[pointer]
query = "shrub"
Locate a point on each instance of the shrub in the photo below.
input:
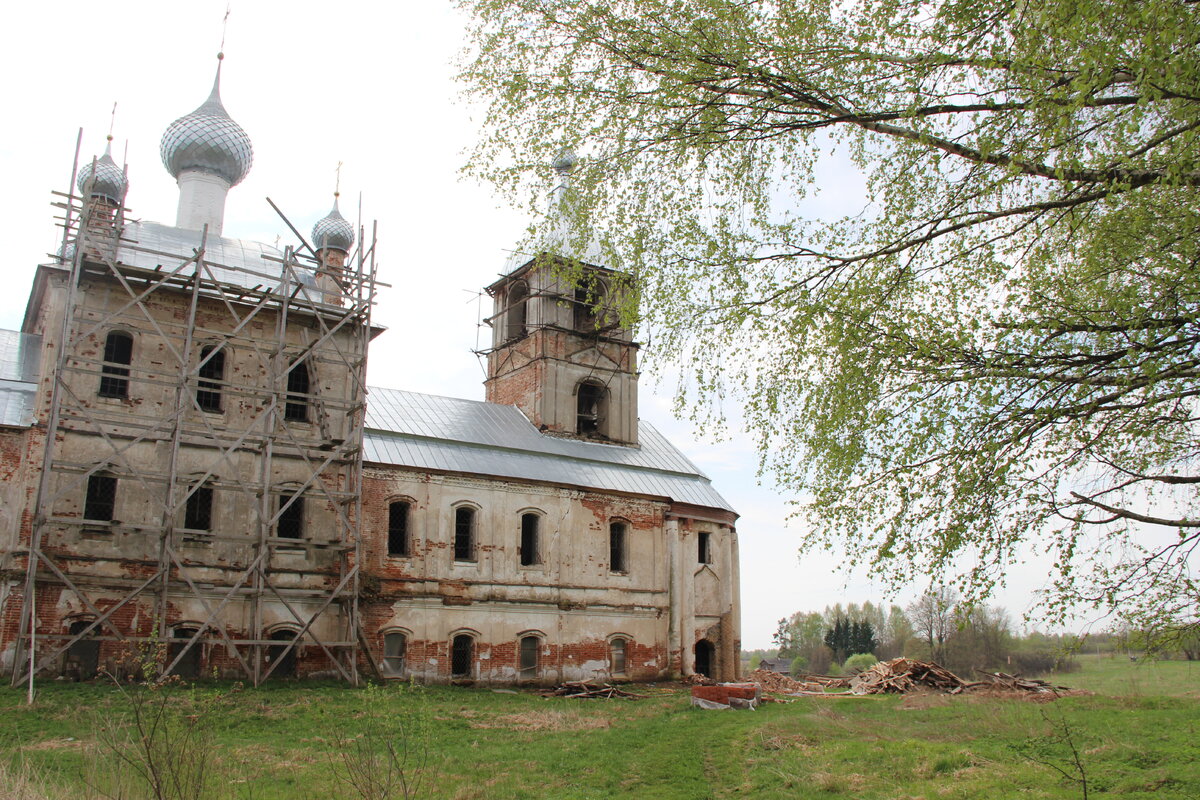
(799, 665)
(859, 662)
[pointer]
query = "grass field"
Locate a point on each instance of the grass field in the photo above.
(1136, 737)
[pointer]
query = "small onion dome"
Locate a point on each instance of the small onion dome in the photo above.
(564, 163)
(208, 140)
(333, 232)
(108, 181)
(66, 253)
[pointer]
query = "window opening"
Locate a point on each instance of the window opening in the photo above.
(286, 667)
(398, 528)
(211, 373)
(464, 533)
(705, 658)
(101, 499)
(616, 546)
(198, 512)
(587, 302)
(589, 408)
(462, 653)
(529, 656)
(529, 540)
(114, 373)
(298, 385)
(616, 656)
(395, 650)
(704, 556)
(516, 314)
(189, 665)
(83, 656)
(290, 524)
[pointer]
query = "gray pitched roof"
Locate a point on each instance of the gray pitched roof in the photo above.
(453, 435)
(19, 354)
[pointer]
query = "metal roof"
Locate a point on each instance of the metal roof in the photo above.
(450, 434)
(19, 356)
(239, 262)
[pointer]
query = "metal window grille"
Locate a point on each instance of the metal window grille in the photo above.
(464, 534)
(101, 499)
(118, 353)
(298, 384)
(616, 547)
(291, 519)
(198, 512)
(398, 529)
(211, 373)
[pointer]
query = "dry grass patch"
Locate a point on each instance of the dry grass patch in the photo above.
(543, 721)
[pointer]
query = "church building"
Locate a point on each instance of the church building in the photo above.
(195, 471)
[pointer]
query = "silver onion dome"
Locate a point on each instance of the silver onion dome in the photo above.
(208, 140)
(333, 232)
(108, 181)
(566, 160)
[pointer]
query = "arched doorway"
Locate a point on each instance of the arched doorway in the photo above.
(705, 658)
(286, 668)
(189, 665)
(83, 656)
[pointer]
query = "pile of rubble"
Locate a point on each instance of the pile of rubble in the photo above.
(900, 676)
(590, 691)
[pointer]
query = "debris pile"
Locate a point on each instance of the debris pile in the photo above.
(590, 691)
(902, 675)
(1015, 683)
(771, 681)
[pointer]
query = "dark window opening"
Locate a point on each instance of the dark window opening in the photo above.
(189, 665)
(616, 656)
(589, 409)
(114, 373)
(462, 653)
(529, 656)
(101, 500)
(290, 524)
(529, 540)
(284, 663)
(587, 309)
(83, 656)
(298, 385)
(616, 547)
(395, 650)
(704, 556)
(515, 317)
(705, 658)
(211, 373)
(398, 529)
(198, 512)
(464, 534)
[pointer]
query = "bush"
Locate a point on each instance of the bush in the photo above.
(859, 662)
(799, 666)
(1041, 662)
(835, 670)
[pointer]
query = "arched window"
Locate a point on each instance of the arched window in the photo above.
(283, 659)
(529, 648)
(462, 655)
(189, 665)
(616, 656)
(210, 373)
(515, 317)
(290, 524)
(591, 408)
(298, 385)
(617, 546)
(101, 501)
(398, 541)
(114, 373)
(464, 533)
(530, 522)
(395, 651)
(589, 299)
(198, 512)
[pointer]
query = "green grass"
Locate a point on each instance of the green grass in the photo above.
(1136, 738)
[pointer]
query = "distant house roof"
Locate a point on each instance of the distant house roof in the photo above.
(467, 436)
(19, 356)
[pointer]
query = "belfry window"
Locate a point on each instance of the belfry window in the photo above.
(515, 316)
(298, 385)
(100, 503)
(290, 524)
(198, 511)
(114, 373)
(398, 528)
(464, 533)
(617, 544)
(210, 373)
(529, 540)
(590, 408)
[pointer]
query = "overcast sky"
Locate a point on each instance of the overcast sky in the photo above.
(371, 85)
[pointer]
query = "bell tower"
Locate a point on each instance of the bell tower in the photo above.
(558, 350)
